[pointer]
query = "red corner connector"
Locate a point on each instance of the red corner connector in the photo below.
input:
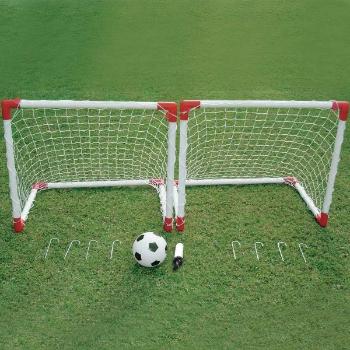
(7, 105)
(180, 223)
(343, 108)
(171, 110)
(18, 224)
(186, 106)
(40, 186)
(322, 219)
(168, 224)
(156, 182)
(290, 180)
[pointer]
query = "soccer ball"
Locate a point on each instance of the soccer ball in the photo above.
(149, 249)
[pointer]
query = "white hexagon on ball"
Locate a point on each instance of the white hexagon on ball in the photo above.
(149, 249)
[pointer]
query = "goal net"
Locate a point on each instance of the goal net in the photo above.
(67, 144)
(256, 142)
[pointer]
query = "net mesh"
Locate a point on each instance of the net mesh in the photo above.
(64, 145)
(263, 142)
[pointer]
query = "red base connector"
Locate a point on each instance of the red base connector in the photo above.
(180, 223)
(322, 219)
(18, 225)
(168, 224)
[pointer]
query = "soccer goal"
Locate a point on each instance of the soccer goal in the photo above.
(86, 144)
(296, 143)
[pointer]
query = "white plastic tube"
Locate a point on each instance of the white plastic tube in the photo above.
(10, 157)
(334, 166)
(175, 199)
(29, 204)
(182, 168)
(82, 184)
(307, 199)
(240, 181)
(170, 169)
(264, 104)
(87, 104)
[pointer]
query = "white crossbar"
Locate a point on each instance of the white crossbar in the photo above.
(87, 104)
(265, 104)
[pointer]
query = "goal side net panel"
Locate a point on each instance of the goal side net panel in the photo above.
(66, 144)
(252, 142)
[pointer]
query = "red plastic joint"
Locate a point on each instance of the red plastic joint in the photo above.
(322, 219)
(40, 186)
(343, 108)
(186, 106)
(156, 182)
(171, 110)
(168, 224)
(291, 180)
(180, 223)
(18, 224)
(7, 105)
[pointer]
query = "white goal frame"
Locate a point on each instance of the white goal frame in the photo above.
(189, 106)
(165, 187)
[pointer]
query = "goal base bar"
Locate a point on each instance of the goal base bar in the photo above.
(243, 181)
(109, 183)
(320, 217)
(19, 223)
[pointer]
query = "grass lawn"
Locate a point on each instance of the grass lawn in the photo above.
(170, 50)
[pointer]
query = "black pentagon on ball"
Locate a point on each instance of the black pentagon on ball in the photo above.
(139, 238)
(153, 247)
(166, 247)
(155, 263)
(138, 256)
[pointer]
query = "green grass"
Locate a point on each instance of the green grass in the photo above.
(169, 50)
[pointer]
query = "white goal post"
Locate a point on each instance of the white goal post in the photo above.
(74, 144)
(239, 142)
